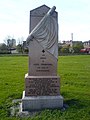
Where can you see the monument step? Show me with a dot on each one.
(41, 102)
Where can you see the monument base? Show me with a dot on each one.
(42, 85)
(41, 102)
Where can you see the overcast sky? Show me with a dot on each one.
(73, 17)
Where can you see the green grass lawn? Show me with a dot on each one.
(75, 87)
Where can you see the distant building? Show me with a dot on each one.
(86, 47)
(14, 51)
(14, 43)
(86, 44)
(69, 44)
(11, 43)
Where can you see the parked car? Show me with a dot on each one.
(85, 50)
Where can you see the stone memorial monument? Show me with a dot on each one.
(42, 85)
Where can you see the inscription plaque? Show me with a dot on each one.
(42, 86)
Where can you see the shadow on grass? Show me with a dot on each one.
(77, 104)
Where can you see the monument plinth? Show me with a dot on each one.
(42, 85)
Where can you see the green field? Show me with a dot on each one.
(75, 87)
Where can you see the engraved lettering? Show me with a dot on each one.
(36, 64)
(42, 86)
(42, 57)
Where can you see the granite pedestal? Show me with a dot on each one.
(41, 92)
(41, 102)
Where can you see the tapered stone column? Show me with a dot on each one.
(42, 84)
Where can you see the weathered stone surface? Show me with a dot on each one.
(41, 63)
(43, 42)
(42, 85)
(37, 14)
(41, 102)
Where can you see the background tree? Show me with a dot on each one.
(3, 48)
(65, 49)
(20, 48)
(77, 47)
(59, 49)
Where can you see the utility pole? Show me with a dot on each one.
(72, 36)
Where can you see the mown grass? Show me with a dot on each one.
(75, 87)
